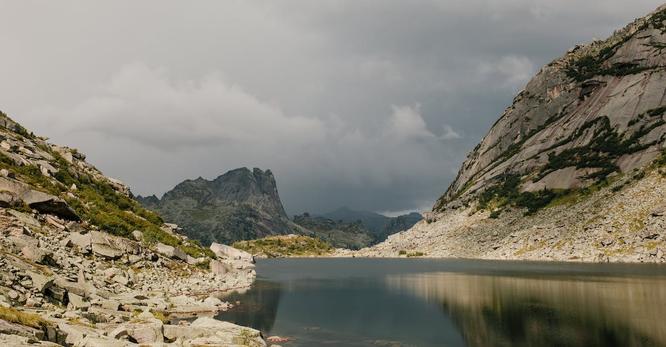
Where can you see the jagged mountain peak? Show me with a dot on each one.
(240, 204)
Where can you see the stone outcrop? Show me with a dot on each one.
(15, 191)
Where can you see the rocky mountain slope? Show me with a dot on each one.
(82, 264)
(239, 205)
(571, 170)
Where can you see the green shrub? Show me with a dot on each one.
(284, 246)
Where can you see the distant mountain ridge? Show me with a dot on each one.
(340, 234)
(241, 204)
(244, 204)
(379, 226)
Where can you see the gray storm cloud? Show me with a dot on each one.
(369, 104)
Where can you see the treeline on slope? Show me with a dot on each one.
(596, 63)
(506, 192)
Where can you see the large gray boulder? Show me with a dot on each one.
(38, 255)
(228, 252)
(206, 331)
(146, 329)
(40, 282)
(112, 247)
(40, 201)
(171, 252)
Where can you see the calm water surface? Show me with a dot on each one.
(419, 302)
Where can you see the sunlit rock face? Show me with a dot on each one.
(493, 310)
(597, 110)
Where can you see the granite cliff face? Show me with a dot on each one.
(596, 111)
(574, 169)
(239, 205)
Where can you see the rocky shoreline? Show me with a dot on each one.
(61, 284)
(621, 222)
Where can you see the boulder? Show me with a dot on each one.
(137, 235)
(37, 255)
(171, 252)
(213, 301)
(146, 330)
(659, 211)
(112, 247)
(195, 261)
(218, 267)
(21, 330)
(110, 304)
(23, 241)
(82, 289)
(8, 199)
(228, 252)
(207, 331)
(57, 293)
(46, 203)
(82, 241)
(212, 332)
(25, 218)
(429, 217)
(77, 334)
(40, 282)
(40, 201)
(22, 341)
(77, 302)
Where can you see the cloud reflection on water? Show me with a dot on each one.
(545, 311)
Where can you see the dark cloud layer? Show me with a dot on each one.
(369, 104)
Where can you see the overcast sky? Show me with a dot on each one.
(365, 103)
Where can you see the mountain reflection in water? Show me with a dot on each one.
(398, 303)
(516, 311)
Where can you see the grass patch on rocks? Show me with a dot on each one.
(285, 246)
(506, 193)
(32, 320)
